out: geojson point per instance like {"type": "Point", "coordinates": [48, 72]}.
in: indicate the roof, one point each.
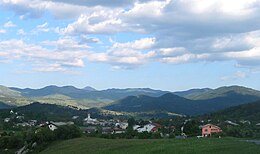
{"type": "Point", "coordinates": [210, 125]}
{"type": "Point", "coordinates": [61, 123]}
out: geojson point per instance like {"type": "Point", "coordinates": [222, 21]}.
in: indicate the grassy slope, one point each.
{"type": "Point", "coordinates": [184, 146]}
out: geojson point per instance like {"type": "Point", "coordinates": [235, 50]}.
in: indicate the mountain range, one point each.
{"type": "Point", "coordinates": [134, 100]}
{"type": "Point", "coordinates": [210, 100]}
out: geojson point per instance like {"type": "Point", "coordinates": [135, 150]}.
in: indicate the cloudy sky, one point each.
{"type": "Point", "coordinates": [161, 44]}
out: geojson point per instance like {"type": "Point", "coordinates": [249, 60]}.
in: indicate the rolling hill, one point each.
{"type": "Point", "coordinates": [40, 111]}
{"type": "Point", "coordinates": [214, 100]}
{"type": "Point", "coordinates": [88, 93]}
{"type": "Point", "coordinates": [87, 97]}
{"type": "Point", "coordinates": [250, 111]}
{"type": "Point", "coordinates": [143, 100]}
{"type": "Point", "coordinates": [192, 92]}
{"type": "Point", "coordinates": [167, 102]}
{"type": "Point", "coordinates": [224, 91]}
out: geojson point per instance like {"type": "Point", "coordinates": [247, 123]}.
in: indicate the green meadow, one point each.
{"type": "Point", "coordinates": [153, 146]}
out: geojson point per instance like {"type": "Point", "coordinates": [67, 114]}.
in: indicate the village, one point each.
{"type": "Point", "coordinates": [90, 125]}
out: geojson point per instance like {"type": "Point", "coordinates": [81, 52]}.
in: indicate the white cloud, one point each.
{"type": "Point", "coordinates": [41, 57]}
{"type": "Point", "coordinates": [126, 55]}
{"type": "Point", "coordinates": [87, 39]}
{"type": "Point", "coordinates": [21, 32]}
{"type": "Point", "coordinates": [106, 3]}
{"type": "Point", "coordinates": [180, 31]}
{"type": "Point", "coordinates": [235, 76]}
{"type": "Point", "coordinates": [65, 43]}
{"type": "Point", "coordinates": [2, 31]}
{"type": "Point", "coordinates": [9, 24]}
{"type": "Point", "coordinates": [43, 27]}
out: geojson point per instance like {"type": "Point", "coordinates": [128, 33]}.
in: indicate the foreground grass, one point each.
{"type": "Point", "coordinates": [168, 146]}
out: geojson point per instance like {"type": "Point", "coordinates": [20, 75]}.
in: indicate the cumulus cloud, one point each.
{"type": "Point", "coordinates": [180, 31]}
{"type": "Point", "coordinates": [40, 57]}
{"type": "Point", "coordinates": [126, 55]}
{"type": "Point", "coordinates": [106, 3]}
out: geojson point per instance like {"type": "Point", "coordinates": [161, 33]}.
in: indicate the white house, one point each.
{"type": "Point", "coordinates": [135, 127]}
{"type": "Point", "coordinates": [7, 119]}
{"type": "Point", "coordinates": [231, 123]}
{"type": "Point", "coordinates": [122, 125]}
{"type": "Point", "coordinates": [54, 125]}
{"type": "Point", "coordinates": [147, 128]}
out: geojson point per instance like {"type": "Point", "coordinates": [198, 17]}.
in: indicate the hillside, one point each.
{"type": "Point", "coordinates": [167, 146]}
{"type": "Point", "coordinates": [192, 92]}
{"type": "Point", "coordinates": [143, 100]}
{"type": "Point", "coordinates": [167, 102]}
{"type": "Point", "coordinates": [225, 91]}
{"type": "Point", "coordinates": [250, 111]}
{"type": "Point", "coordinates": [176, 104]}
{"type": "Point", "coordinates": [5, 106]}
{"type": "Point", "coordinates": [87, 97]}
{"type": "Point", "coordinates": [7, 92]}
{"type": "Point", "coordinates": [44, 112]}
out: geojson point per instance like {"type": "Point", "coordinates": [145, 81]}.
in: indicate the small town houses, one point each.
{"type": "Point", "coordinates": [118, 126]}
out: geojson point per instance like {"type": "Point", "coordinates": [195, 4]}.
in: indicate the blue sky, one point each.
{"type": "Point", "coordinates": [161, 44]}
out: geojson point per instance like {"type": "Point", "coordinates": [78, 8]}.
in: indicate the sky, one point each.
{"type": "Point", "coordinates": [161, 44]}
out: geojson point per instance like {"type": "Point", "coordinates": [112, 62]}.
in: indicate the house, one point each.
{"type": "Point", "coordinates": [122, 125]}
{"type": "Point", "coordinates": [231, 123]}
{"type": "Point", "coordinates": [20, 117]}
{"type": "Point", "coordinates": [32, 122]}
{"type": "Point", "coordinates": [245, 122]}
{"type": "Point", "coordinates": [209, 129]}
{"type": "Point", "coordinates": [7, 119]}
{"type": "Point", "coordinates": [23, 124]}
{"type": "Point", "coordinates": [90, 129]}
{"type": "Point", "coordinates": [149, 128]}
{"type": "Point", "coordinates": [54, 125]}
{"type": "Point", "coordinates": [135, 127]}
{"type": "Point", "coordinates": [75, 117]}
{"type": "Point", "coordinates": [119, 131]}
{"type": "Point", "coordinates": [107, 130]}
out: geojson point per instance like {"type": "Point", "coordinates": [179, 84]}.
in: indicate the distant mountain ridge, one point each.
{"type": "Point", "coordinates": [77, 93]}
{"type": "Point", "coordinates": [190, 102]}
{"type": "Point", "coordinates": [223, 91]}
{"type": "Point", "coordinates": [209, 101]}
{"type": "Point", "coordinates": [192, 92]}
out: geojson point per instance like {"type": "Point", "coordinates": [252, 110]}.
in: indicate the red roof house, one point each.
{"type": "Point", "coordinates": [208, 129]}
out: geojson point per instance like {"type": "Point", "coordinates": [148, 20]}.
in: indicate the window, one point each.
{"type": "Point", "coordinates": [206, 130]}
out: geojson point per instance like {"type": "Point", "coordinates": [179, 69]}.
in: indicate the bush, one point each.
{"type": "Point", "coordinates": [67, 132]}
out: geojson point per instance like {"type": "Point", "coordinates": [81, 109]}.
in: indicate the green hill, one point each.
{"type": "Point", "coordinates": [165, 146]}
{"type": "Point", "coordinates": [7, 92]}
{"type": "Point", "coordinates": [76, 93]}
{"type": "Point", "coordinates": [250, 111]}
{"type": "Point", "coordinates": [224, 91]}
{"type": "Point", "coordinates": [176, 104]}
{"type": "Point", "coordinates": [5, 106]}
{"type": "Point", "coordinates": [40, 111]}
{"type": "Point", "coordinates": [192, 92]}
{"type": "Point", "coordinates": [168, 103]}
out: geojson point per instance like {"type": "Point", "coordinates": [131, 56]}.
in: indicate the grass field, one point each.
{"type": "Point", "coordinates": [168, 146]}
